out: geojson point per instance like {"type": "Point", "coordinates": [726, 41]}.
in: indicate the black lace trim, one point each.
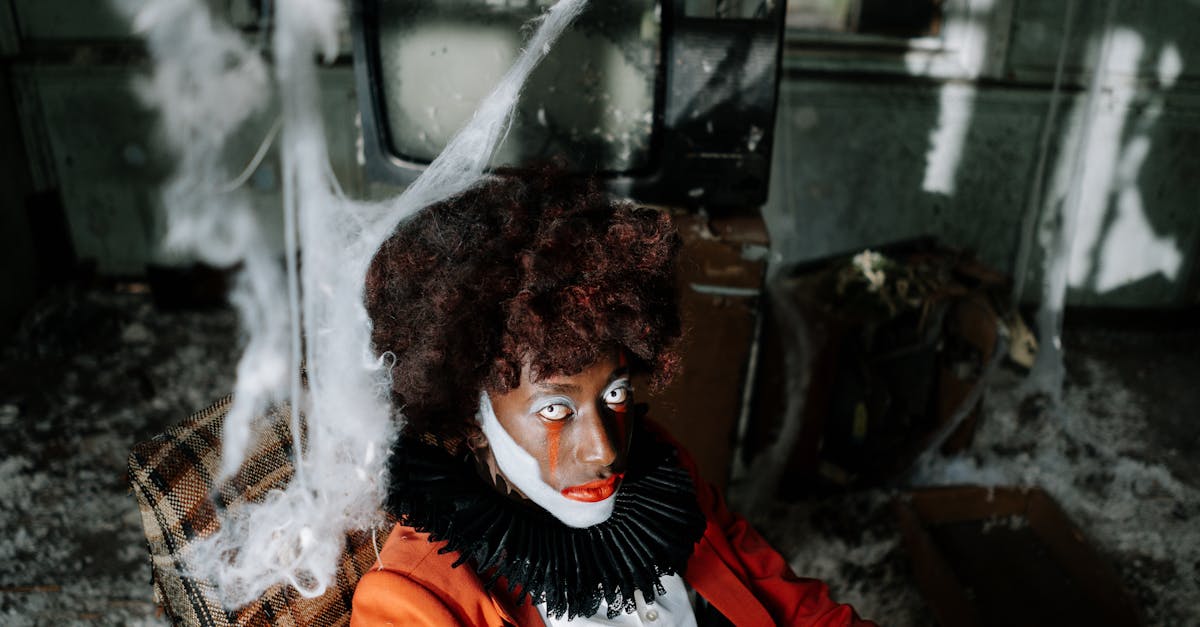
{"type": "Point", "coordinates": [655, 524]}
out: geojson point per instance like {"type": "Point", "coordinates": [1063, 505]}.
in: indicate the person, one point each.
{"type": "Point", "coordinates": [529, 487]}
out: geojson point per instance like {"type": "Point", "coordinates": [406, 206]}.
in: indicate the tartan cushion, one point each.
{"type": "Point", "coordinates": [172, 476]}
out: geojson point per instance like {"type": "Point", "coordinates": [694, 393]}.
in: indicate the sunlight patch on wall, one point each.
{"type": "Point", "coordinates": [1170, 65]}
{"type": "Point", "coordinates": [1114, 242]}
{"type": "Point", "coordinates": [966, 35]}
{"type": "Point", "coordinates": [956, 103]}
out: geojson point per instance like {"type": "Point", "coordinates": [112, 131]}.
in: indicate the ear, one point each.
{"type": "Point", "coordinates": [476, 440]}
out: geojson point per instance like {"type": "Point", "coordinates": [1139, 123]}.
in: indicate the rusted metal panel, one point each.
{"type": "Point", "coordinates": [720, 294]}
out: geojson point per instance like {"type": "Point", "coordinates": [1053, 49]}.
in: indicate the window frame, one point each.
{"type": "Point", "coordinates": [972, 44]}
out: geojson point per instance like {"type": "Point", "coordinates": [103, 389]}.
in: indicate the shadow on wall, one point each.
{"type": "Point", "coordinates": [93, 142]}
{"type": "Point", "coordinates": [864, 160]}
{"type": "Point", "coordinates": [1137, 237]}
{"type": "Point", "coordinates": [1129, 161]}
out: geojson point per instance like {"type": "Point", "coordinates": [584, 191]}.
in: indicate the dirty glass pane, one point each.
{"type": "Point", "coordinates": [895, 18]}
{"type": "Point", "coordinates": [731, 9]}
{"type": "Point", "coordinates": [591, 100]}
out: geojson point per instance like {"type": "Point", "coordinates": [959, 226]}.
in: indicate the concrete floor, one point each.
{"type": "Point", "coordinates": [91, 372]}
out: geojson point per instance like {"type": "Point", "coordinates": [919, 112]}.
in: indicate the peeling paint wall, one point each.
{"type": "Point", "coordinates": [108, 162]}
{"type": "Point", "coordinates": [852, 168]}
{"type": "Point", "coordinates": [88, 136]}
{"type": "Point", "coordinates": [938, 136]}
{"type": "Point", "coordinates": [943, 138]}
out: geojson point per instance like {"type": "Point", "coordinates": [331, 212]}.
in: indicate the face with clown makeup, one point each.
{"type": "Point", "coordinates": [561, 441]}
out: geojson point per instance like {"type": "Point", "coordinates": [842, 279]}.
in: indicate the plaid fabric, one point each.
{"type": "Point", "coordinates": [172, 476]}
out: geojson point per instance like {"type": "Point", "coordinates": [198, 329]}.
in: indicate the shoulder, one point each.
{"type": "Point", "coordinates": [408, 551]}
{"type": "Point", "coordinates": [414, 584]}
{"type": "Point", "coordinates": [385, 597]}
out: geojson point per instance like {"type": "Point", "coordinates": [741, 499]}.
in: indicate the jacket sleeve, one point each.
{"type": "Point", "coordinates": [387, 599]}
{"type": "Point", "coordinates": [790, 600]}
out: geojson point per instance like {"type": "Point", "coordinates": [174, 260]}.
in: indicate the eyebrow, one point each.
{"type": "Point", "coordinates": [557, 388]}
{"type": "Point", "coordinates": [622, 372]}
{"type": "Point", "coordinates": [571, 388]}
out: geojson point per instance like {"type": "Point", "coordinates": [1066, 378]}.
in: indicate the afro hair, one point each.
{"type": "Point", "coordinates": [537, 270]}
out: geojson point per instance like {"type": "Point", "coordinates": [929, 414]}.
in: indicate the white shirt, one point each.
{"type": "Point", "coordinates": [673, 609]}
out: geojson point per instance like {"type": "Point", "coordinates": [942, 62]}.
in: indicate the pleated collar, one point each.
{"type": "Point", "coordinates": [655, 524]}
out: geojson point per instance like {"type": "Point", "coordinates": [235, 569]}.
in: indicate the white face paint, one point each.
{"type": "Point", "coordinates": [523, 471]}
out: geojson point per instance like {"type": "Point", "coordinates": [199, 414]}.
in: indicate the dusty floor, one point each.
{"type": "Point", "coordinates": [87, 376]}
{"type": "Point", "coordinates": [1121, 456]}
{"type": "Point", "coordinates": [90, 373]}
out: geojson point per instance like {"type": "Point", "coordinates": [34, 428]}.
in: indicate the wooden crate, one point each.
{"type": "Point", "coordinates": [992, 557]}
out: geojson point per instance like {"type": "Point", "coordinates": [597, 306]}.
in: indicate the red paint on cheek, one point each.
{"type": "Point", "coordinates": [553, 432]}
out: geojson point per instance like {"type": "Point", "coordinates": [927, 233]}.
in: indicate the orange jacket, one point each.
{"type": "Point", "coordinates": [732, 567]}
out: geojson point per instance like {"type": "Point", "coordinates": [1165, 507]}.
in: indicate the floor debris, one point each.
{"type": "Point", "coordinates": [90, 372]}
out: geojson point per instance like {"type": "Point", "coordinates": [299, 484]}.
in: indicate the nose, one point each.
{"type": "Point", "coordinates": [596, 447]}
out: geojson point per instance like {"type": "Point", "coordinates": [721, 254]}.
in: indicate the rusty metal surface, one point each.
{"type": "Point", "coordinates": [719, 291]}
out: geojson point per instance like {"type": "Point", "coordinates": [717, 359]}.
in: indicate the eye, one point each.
{"type": "Point", "coordinates": [556, 411]}
{"type": "Point", "coordinates": [617, 395]}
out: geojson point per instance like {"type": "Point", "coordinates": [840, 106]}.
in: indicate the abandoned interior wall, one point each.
{"type": "Point", "coordinates": [16, 246]}
{"type": "Point", "coordinates": [16, 242]}
{"type": "Point", "coordinates": [942, 138]}
{"type": "Point", "coordinates": [875, 143]}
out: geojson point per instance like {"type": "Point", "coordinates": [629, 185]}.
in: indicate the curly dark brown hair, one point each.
{"type": "Point", "coordinates": [539, 269]}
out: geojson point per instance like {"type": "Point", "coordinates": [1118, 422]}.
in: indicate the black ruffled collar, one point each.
{"type": "Point", "coordinates": [655, 524]}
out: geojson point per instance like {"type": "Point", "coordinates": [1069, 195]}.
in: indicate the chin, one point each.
{"type": "Point", "coordinates": [579, 514]}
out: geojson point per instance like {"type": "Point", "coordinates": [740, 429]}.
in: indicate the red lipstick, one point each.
{"type": "Point", "coordinates": [594, 491]}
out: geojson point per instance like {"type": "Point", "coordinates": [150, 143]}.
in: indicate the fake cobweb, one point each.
{"type": "Point", "coordinates": [208, 82]}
